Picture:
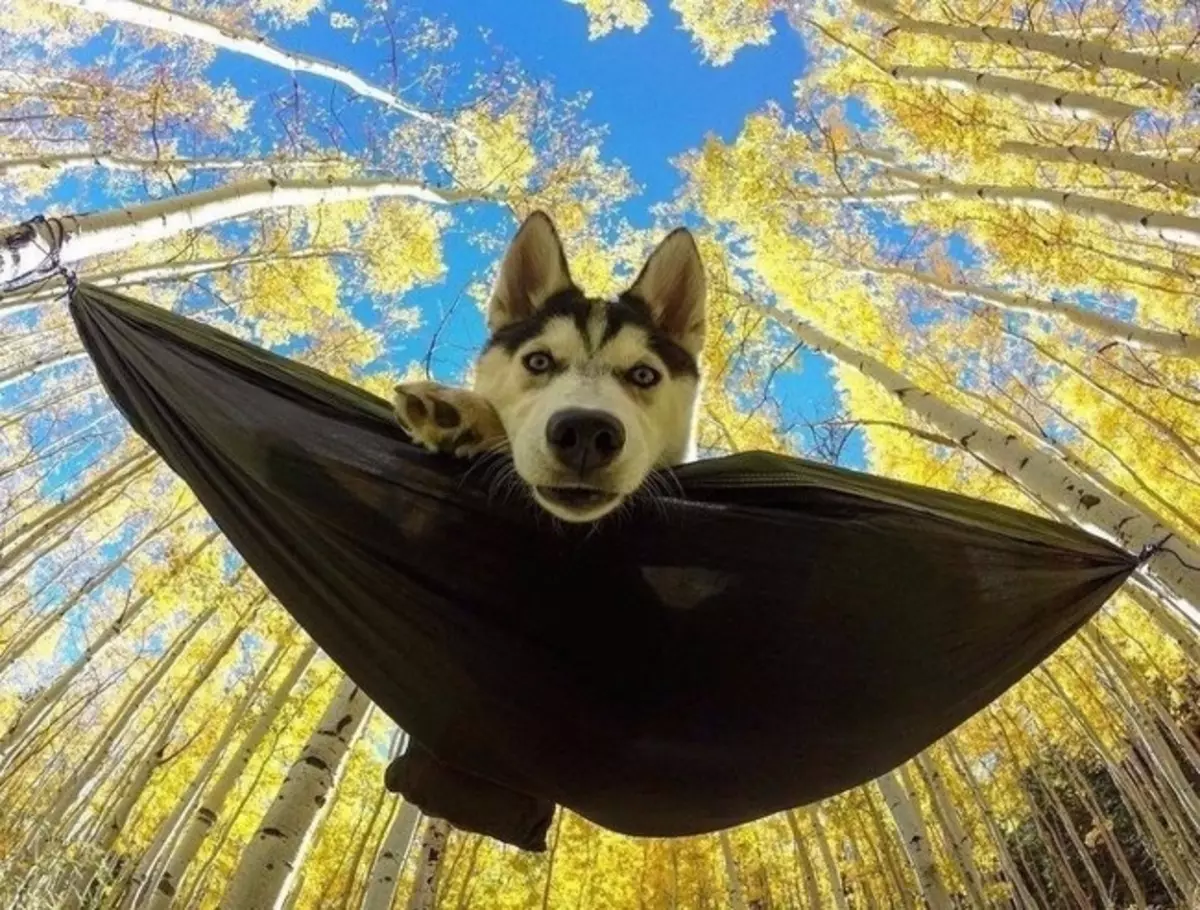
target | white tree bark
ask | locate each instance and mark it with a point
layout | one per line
(1008, 864)
(913, 836)
(733, 873)
(126, 163)
(23, 248)
(1079, 105)
(33, 712)
(429, 865)
(268, 864)
(192, 27)
(1185, 174)
(205, 817)
(135, 784)
(1172, 564)
(1175, 869)
(27, 638)
(958, 840)
(27, 534)
(1179, 343)
(836, 886)
(1093, 55)
(85, 777)
(12, 304)
(389, 861)
(27, 370)
(808, 875)
(1182, 229)
(148, 865)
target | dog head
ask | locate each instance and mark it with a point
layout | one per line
(593, 394)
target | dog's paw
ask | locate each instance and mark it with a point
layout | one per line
(452, 421)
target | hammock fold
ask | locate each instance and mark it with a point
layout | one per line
(779, 632)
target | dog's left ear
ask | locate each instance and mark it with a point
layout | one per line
(534, 270)
(672, 284)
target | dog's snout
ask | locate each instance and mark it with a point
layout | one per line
(583, 439)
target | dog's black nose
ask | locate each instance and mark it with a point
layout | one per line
(585, 440)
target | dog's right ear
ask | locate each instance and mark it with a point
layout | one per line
(534, 270)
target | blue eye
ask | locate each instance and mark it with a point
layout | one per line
(538, 362)
(643, 376)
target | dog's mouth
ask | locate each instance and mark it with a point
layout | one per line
(576, 503)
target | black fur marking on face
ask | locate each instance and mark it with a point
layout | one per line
(570, 302)
(628, 309)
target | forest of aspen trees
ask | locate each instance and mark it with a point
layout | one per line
(960, 247)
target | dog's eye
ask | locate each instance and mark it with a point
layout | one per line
(538, 362)
(643, 376)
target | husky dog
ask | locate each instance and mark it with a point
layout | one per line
(590, 395)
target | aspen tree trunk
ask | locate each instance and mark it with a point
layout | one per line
(469, 882)
(16, 647)
(14, 573)
(957, 839)
(1179, 343)
(913, 836)
(57, 451)
(77, 237)
(861, 884)
(1174, 869)
(1177, 72)
(1100, 823)
(1008, 866)
(12, 304)
(184, 25)
(135, 785)
(836, 886)
(38, 406)
(353, 888)
(1068, 825)
(1186, 447)
(268, 864)
(18, 542)
(1085, 470)
(164, 838)
(808, 875)
(389, 861)
(33, 712)
(1145, 730)
(860, 836)
(74, 161)
(733, 874)
(166, 884)
(1172, 564)
(30, 369)
(1165, 226)
(883, 843)
(32, 598)
(1161, 799)
(1166, 620)
(429, 865)
(1185, 174)
(1080, 105)
(85, 776)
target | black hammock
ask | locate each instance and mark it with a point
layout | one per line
(779, 632)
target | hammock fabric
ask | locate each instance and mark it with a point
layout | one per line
(780, 632)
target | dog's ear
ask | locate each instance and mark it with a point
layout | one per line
(534, 270)
(672, 284)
